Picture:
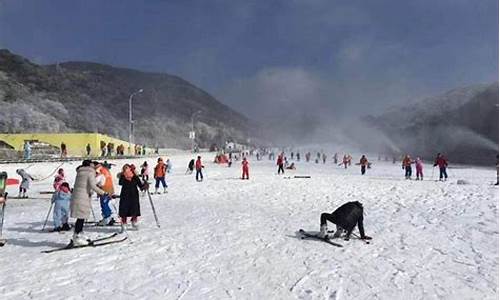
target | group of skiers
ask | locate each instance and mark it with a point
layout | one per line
(440, 161)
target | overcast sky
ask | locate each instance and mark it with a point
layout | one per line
(296, 56)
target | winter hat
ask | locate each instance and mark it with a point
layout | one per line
(64, 187)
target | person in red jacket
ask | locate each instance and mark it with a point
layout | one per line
(280, 163)
(245, 166)
(442, 162)
(199, 166)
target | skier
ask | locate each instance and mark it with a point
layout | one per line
(406, 165)
(308, 156)
(61, 200)
(245, 166)
(324, 158)
(280, 163)
(363, 162)
(442, 162)
(335, 158)
(345, 161)
(88, 149)
(129, 197)
(64, 151)
(419, 165)
(160, 171)
(25, 182)
(104, 180)
(291, 167)
(169, 166)
(145, 171)
(292, 155)
(298, 156)
(80, 205)
(59, 179)
(27, 150)
(346, 217)
(190, 167)
(199, 166)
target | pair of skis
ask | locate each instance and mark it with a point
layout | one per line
(306, 235)
(107, 240)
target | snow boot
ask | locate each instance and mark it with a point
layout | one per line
(165, 190)
(79, 240)
(111, 222)
(66, 227)
(123, 228)
(323, 232)
(135, 225)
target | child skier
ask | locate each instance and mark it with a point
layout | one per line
(145, 171)
(280, 163)
(169, 166)
(363, 162)
(419, 165)
(191, 167)
(25, 183)
(199, 166)
(58, 179)
(61, 200)
(245, 167)
(104, 181)
(346, 217)
(160, 171)
(442, 162)
(406, 165)
(129, 196)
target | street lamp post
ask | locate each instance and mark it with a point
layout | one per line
(192, 129)
(130, 121)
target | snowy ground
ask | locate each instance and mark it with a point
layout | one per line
(226, 238)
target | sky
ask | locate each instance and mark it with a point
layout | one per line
(297, 58)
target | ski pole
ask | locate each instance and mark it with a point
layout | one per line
(48, 214)
(3, 214)
(357, 236)
(153, 208)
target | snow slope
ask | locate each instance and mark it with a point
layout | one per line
(230, 239)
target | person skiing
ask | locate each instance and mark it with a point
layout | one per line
(363, 162)
(80, 206)
(145, 171)
(345, 161)
(104, 180)
(199, 166)
(169, 166)
(27, 150)
(25, 182)
(58, 179)
(346, 217)
(245, 167)
(442, 162)
(324, 158)
(335, 158)
(280, 163)
(308, 156)
(298, 156)
(419, 166)
(190, 167)
(406, 165)
(129, 197)
(61, 200)
(88, 149)
(160, 171)
(64, 150)
(292, 155)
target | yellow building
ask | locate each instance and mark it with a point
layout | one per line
(76, 143)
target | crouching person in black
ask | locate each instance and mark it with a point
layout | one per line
(346, 217)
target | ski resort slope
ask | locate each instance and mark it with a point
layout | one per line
(225, 238)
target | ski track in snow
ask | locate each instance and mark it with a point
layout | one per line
(225, 238)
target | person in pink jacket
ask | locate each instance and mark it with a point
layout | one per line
(420, 168)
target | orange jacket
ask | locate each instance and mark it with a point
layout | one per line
(160, 170)
(108, 184)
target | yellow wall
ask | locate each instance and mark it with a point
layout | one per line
(76, 143)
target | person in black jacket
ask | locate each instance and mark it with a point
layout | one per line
(346, 217)
(129, 196)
